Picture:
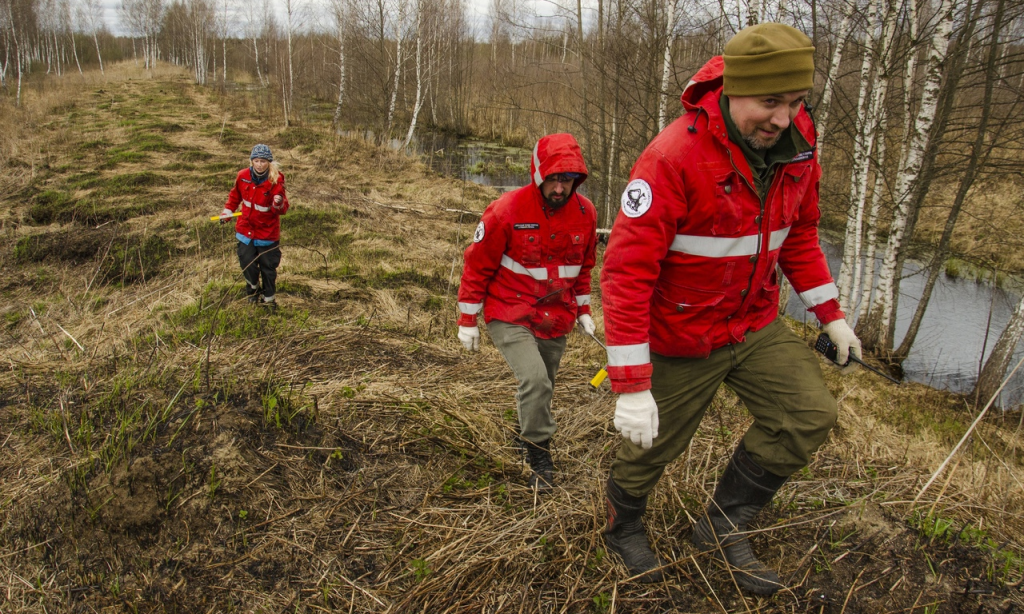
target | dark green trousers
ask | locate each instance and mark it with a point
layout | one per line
(776, 376)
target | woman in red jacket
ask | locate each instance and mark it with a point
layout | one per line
(260, 189)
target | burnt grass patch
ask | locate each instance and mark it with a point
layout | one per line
(53, 206)
(119, 258)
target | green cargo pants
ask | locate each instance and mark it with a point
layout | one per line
(534, 362)
(776, 376)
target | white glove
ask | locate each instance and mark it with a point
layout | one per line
(225, 215)
(587, 323)
(636, 417)
(846, 340)
(470, 337)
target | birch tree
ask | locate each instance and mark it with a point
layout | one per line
(666, 66)
(875, 329)
(419, 73)
(90, 16)
(998, 362)
(340, 17)
(980, 149)
(255, 15)
(399, 31)
(825, 103)
(875, 58)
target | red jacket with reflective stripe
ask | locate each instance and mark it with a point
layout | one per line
(261, 218)
(691, 261)
(528, 264)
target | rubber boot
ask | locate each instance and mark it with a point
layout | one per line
(625, 535)
(253, 294)
(539, 456)
(744, 489)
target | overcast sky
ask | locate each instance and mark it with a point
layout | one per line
(476, 9)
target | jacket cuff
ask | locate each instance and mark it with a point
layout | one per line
(633, 378)
(828, 311)
(467, 319)
(582, 310)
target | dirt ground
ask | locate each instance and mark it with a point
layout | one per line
(165, 447)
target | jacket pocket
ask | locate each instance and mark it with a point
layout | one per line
(683, 317)
(528, 250)
(728, 206)
(574, 245)
(768, 298)
(795, 178)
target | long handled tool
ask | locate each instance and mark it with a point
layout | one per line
(225, 217)
(826, 346)
(603, 373)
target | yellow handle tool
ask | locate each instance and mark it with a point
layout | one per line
(224, 217)
(603, 373)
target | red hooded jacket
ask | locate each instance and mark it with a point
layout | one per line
(261, 218)
(691, 261)
(528, 264)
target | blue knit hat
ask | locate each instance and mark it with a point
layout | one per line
(261, 151)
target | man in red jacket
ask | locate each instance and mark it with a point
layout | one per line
(528, 270)
(691, 296)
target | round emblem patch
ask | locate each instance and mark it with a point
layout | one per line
(478, 236)
(636, 198)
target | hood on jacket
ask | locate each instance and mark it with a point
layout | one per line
(557, 153)
(702, 92)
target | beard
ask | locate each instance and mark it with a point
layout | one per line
(758, 144)
(556, 202)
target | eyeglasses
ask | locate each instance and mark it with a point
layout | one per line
(563, 177)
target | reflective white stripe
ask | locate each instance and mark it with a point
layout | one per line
(582, 299)
(819, 295)
(259, 208)
(725, 247)
(629, 355)
(471, 308)
(539, 274)
(569, 271)
(247, 203)
(537, 177)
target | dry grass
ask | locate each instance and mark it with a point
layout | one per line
(167, 448)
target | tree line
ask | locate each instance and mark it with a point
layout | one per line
(915, 101)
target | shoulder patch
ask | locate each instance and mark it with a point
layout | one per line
(478, 235)
(636, 198)
(526, 226)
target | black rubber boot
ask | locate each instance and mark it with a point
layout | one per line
(253, 294)
(744, 489)
(625, 534)
(539, 456)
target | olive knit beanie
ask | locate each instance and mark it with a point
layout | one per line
(768, 58)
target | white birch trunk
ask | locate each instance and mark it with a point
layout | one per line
(859, 173)
(666, 66)
(341, 64)
(99, 56)
(256, 49)
(907, 178)
(825, 104)
(999, 360)
(291, 72)
(868, 276)
(398, 73)
(419, 77)
(852, 266)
